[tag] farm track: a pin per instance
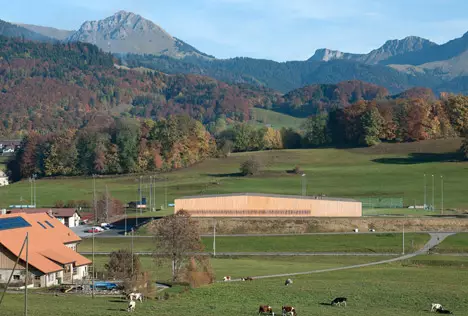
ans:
(436, 239)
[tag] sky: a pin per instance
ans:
(280, 30)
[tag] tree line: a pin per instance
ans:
(114, 146)
(364, 123)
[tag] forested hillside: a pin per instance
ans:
(114, 146)
(287, 76)
(48, 87)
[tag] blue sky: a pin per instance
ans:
(271, 29)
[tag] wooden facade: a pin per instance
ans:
(267, 205)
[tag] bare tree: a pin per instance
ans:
(177, 239)
(107, 207)
(120, 264)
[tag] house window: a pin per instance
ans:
(37, 278)
(16, 277)
(75, 270)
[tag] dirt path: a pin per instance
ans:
(436, 238)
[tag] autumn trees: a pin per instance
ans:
(177, 241)
(121, 145)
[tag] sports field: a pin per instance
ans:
(388, 170)
(368, 243)
(387, 290)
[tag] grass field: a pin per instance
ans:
(385, 290)
(388, 170)
(403, 212)
(388, 243)
(275, 119)
(454, 244)
(238, 267)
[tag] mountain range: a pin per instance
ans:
(397, 65)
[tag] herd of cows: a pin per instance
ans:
(291, 310)
(285, 310)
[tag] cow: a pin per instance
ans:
(288, 311)
(443, 311)
(131, 306)
(265, 309)
(436, 306)
(135, 297)
(288, 282)
(227, 278)
(338, 301)
(247, 279)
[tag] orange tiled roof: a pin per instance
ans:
(47, 248)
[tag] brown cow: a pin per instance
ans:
(227, 278)
(288, 310)
(265, 309)
(247, 279)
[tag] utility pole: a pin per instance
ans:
(442, 195)
(26, 277)
(132, 251)
(92, 230)
(425, 202)
(31, 189)
(107, 205)
(165, 193)
(139, 190)
(34, 189)
(151, 194)
(433, 203)
(214, 237)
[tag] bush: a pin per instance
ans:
(59, 203)
(464, 149)
(251, 167)
(297, 170)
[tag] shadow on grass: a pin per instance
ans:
(417, 158)
(224, 175)
(118, 301)
(326, 304)
(117, 309)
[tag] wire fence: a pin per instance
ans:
(379, 202)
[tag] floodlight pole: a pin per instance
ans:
(139, 190)
(132, 252)
(442, 194)
(425, 191)
(303, 178)
(433, 203)
(151, 194)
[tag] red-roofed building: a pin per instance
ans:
(52, 255)
(67, 216)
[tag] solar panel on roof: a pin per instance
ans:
(47, 222)
(42, 225)
(13, 222)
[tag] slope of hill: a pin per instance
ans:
(48, 31)
(66, 83)
(285, 76)
(314, 99)
(126, 32)
(12, 30)
(276, 120)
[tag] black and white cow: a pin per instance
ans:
(339, 300)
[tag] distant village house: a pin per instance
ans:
(67, 216)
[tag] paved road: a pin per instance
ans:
(115, 233)
(266, 254)
(436, 238)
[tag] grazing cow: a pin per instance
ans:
(131, 306)
(288, 282)
(227, 278)
(372, 230)
(135, 297)
(264, 309)
(247, 279)
(288, 311)
(443, 311)
(339, 300)
(436, 306)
